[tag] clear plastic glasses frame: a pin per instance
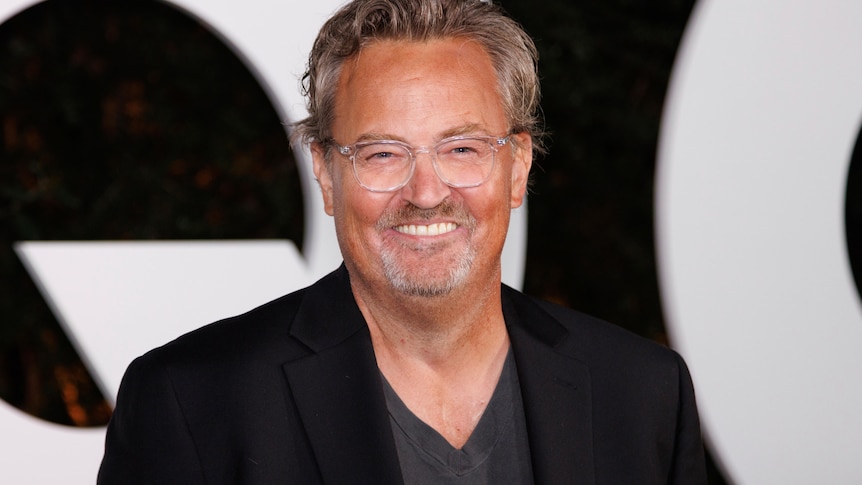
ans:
(387, 165)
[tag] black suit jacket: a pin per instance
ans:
(291, 393)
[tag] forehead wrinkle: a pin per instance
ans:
(411, 102)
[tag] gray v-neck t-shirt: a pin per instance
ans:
(496, 452)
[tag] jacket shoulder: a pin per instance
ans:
(643, 410)
(250, 332)
(584, 336)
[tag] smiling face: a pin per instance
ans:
(426, 238)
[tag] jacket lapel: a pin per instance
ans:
(338, 391)
(339, 395)
(556, 393)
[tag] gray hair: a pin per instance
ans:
(362, 22)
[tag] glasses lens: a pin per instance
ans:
(465, 162)
(381, 166)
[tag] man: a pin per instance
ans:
(411, 363)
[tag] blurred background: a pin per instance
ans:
(131, 121)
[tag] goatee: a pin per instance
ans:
(428, 283)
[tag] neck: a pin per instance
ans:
(442, 355)
(437, 330)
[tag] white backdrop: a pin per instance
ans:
(761, 119)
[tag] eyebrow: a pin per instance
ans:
(378, 137)
(467, 129)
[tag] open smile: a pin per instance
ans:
(426, 230)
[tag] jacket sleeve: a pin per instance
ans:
(689, 464)
(148, 440)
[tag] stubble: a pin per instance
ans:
(427, 282)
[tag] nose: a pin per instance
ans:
(425, 189)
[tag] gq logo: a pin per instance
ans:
(761, 121)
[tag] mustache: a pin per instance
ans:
(410, 213)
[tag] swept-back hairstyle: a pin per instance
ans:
(362, 22)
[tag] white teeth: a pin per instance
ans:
(429, 230)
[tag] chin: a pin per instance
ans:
(427, 282)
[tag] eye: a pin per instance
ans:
(463, 150)
(382, 154)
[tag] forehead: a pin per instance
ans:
(404, 84)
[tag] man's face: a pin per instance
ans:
(425, 238)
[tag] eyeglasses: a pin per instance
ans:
(387, 165)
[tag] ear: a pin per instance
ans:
(522, 161)
(323, 175)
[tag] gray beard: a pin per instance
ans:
(419, 284)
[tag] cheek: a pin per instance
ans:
(491, 208)
(347, 201)
(498, 206)
(357, 210)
